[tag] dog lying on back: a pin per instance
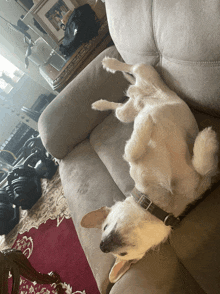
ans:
(171, 163)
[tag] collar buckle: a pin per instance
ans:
(171, 220)
(145, 204)
(167, 218)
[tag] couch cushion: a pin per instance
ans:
(108, 140)
(205, 120)
(187, 30)
(83, 177)
(181, 37)
(69, 119)
(130, 26)
(159, 272)
(195, 82)
(196, 243)
(88, 186)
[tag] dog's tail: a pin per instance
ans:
(205, 160)
(205, 157)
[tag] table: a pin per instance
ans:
(78, 61)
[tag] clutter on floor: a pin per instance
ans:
(23, 187)
(47, 237)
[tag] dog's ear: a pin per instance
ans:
(95, 218)
(119, 268)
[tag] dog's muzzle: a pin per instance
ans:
(105, 247)
(111, 242)
(168, 218)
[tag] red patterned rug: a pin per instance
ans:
(47, 237)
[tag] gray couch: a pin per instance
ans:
(182, 40)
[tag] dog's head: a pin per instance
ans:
(128, 231)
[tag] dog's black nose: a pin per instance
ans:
(105, 246)
(111, 242)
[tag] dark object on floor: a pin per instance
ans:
(24, 185)
(43, 165)
(14, 261)
(31, 145)
(9, 215)
(34, 147)
(81, 27)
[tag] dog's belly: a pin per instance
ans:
(167, 160)
(171, 113)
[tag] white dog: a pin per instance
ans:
(171, 163)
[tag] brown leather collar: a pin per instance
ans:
(168, 218)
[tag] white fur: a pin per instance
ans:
(140, 230)
(163, 162)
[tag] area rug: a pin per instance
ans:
(47, 236)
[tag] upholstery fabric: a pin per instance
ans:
(108, 140)
(159, 272)
(88, 186)
(96, 170)
(181, 38)
(196, 243)
(69, 118)
(127, 22)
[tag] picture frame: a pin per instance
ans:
(48, 13)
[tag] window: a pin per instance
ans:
(9, 75)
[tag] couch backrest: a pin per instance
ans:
(180, 38)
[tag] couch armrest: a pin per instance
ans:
(68, 119)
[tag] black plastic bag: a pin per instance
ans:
(81, 27)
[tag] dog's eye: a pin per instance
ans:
(105, 227)
(123, 254)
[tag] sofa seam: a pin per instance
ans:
(154, 29)
(191, 275)
(143, 53)
(193, 63)
(183, 265)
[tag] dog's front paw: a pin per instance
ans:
(100, 105)
(108, 64)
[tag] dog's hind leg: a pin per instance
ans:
(127, 112)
